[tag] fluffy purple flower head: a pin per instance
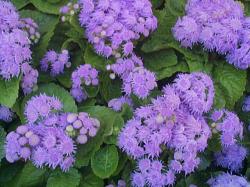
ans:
(9, 18)
(124, 66)
(226, 179)
(149, 172)
(81, 127)
(139, 82)
(84, 75)
(186, 31)
(217, 24)
(228, 125)
(231, 157)
(39, 107)
(6, 114)
(112, 26)
(20, 143)
(55, 62)
(14, 51)
(117, 103)
(29, 79)
(246, 104)
(196, 91)
(31, 28)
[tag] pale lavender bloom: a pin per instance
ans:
(112, 25)
(149, 172)
(14, 51)
(196, 91)
(29, 79)
(229, 126)
(84, 75)
(39, 107)
(231, 157)
(6, 114)
(31, 28)
(9, 18)
(226, 179)
(139, 82)
(55, 62)
(81, 127)
(117, 103)
(67, 11)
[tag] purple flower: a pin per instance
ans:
(140, 82)
(40, 107)
(229, 126)
(226, 179)
(196, 91)
(29, 79)
(9, 18)
(6, 114)
(186, 31)
(112, 26)
(81, 127)
(55, 63)
(117, 103)
(231, 157)
(84, 75)
(14, 51)
(31, 28)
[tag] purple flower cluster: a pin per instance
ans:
(219, 26)
(14, 43)
(149, 172)
(40, 107)
(170, 122)
(55, 63)
(6, 114)
(68, 11)
(31, 28)
(112, 26)
(81, 126)
(230, 128)
(117, 103)
(51, 140)
(84, 75)
(29, 79)
(226, 179)
(228, 125)
(9, 18)
(231, 157)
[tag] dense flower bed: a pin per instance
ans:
(124, 93)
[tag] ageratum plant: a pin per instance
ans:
(120, 93)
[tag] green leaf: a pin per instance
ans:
(91, 180)
(109, 88)
(96, 61)
(52, 89)
(43, 20)
(166, 20)
(64, 179)
(105, 161)
(29, 176)
(107, 118)
(47, 7)
(20, 4)
(2, 142)
(9, 91)
(231, 80)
